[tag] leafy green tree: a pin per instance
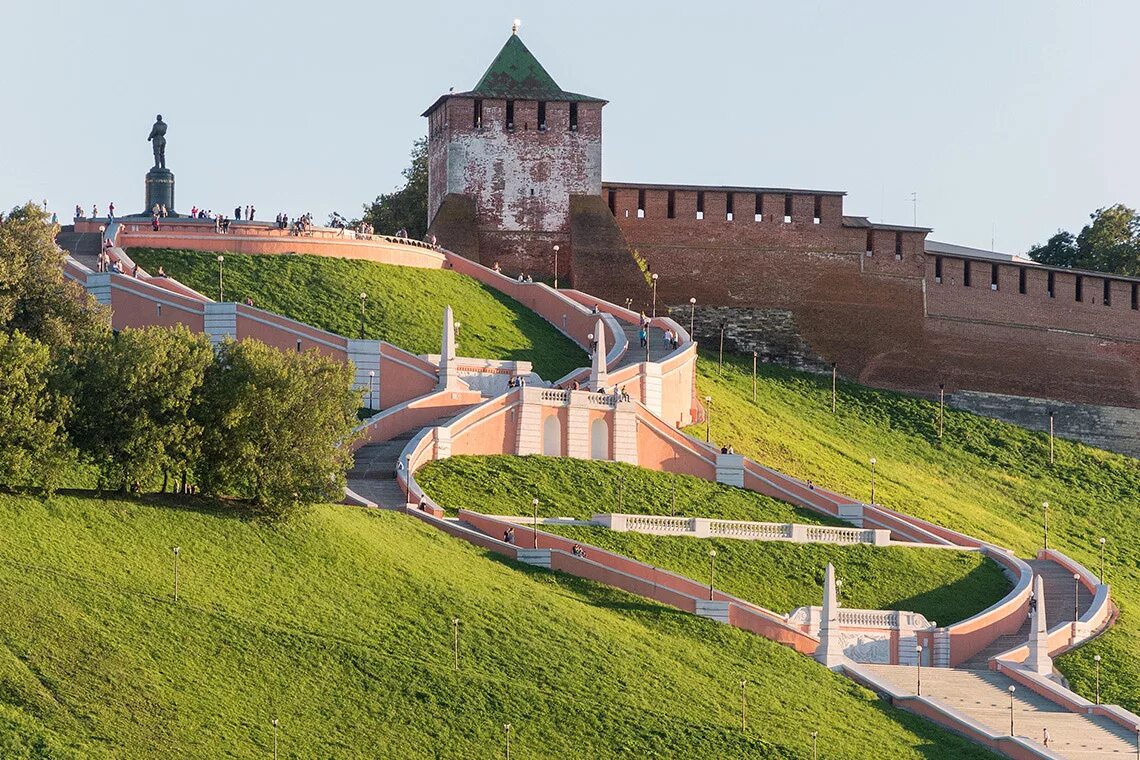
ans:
(407, 207)
(133, 393)
(1109, 243)
(275, 426)
(34, 295)
(33, 442)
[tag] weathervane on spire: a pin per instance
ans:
(515, 26)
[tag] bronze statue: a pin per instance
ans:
(157, 139)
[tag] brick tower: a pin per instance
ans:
(504, 159)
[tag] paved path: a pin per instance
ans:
(983, 695)
(636, 353)
(83, 246)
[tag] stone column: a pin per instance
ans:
(625, 432)
(830, 651)
(1039, 660)
(598, 375)
(448, 371)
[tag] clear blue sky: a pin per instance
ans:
(1019, 117)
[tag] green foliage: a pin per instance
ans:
(945, 586)
(133, 393)
(1109, 243)
(407, 207)
(338, 623)
(404, 306)
(274, 423)
(985, 478)
(33, 442)
(34, 296)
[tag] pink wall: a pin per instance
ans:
(404, 376)
(415, 414)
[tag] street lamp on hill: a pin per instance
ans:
(556, 267)
(692, 316)
(363, 299)
(220, 291)
(712, 572)
(654, 295)
(874, 461)
(708, 417)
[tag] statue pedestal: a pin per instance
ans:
(159, 190)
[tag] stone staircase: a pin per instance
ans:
(373, 473)
(636, 353)
(1059, 596)
(83, 246)
(984, 697)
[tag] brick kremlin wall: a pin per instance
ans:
(806, 292)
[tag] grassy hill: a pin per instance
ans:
(985, 478)
(404, 306)
(945, 586)
(338, 624)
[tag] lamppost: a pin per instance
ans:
(654, 278)
(534, 505)
(834, 373)
(1045, 521)
(507, 731)
(941, 406)
(592, 346)
(275, 739)
(753, 377)
(692, 315)
(918, 662)
(1050, 436)
(720, 360)
(814, 752)
(363, 298)
(371, 379)
(455, 631)
(708, 417)
(556, 267)
(874, 461)
(1102, 559)
(458, 327)
(1096, 659)
(177, 551)
(1012, 689)
(1076, 598)
(712, 572)
(743, 705)
(221, 258)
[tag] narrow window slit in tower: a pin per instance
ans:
(787, 208)
(898, 246)
(938, 269)
(612, 198)
(870, 242)
(641, 203)
(758, 214)
(1021, 280)
(541, 116)
(1049, 284)
(728, 207)
(573, 117)
(818, 212)
(510, 114)
(965, 274)
(477, 114)
(1078, 290)
(1107, 299)
(700, 204)
(993, 276)
(672, 209)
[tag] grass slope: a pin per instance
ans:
(404, 306)
(985, 478)
(338, 623)
(945, 586)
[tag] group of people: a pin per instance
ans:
(516, 381)
(249, 212)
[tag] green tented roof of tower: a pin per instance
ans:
(516, 74)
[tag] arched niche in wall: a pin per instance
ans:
(552, 436)
(599, 440)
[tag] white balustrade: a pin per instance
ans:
(700, 527)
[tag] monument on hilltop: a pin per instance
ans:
(159, 180)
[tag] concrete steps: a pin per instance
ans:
(83, 246)
(983, 696)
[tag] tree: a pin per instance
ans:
(33, 442)
(133, 393)
(34, 295)
(1109, 243)
(407, 207)
(276, 426)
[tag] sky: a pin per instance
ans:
(1008, 120)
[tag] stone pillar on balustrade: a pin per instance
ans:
(730, 469)
(441, 440)
(599, 377)
(578, 425)
(625, 432)
(830, 650)
(448, 369)
(651, 387)
(1039, 660)
(530, 421)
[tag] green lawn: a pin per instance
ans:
(338, 623)
(404, 305)
(946, 586)
(985, 478)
